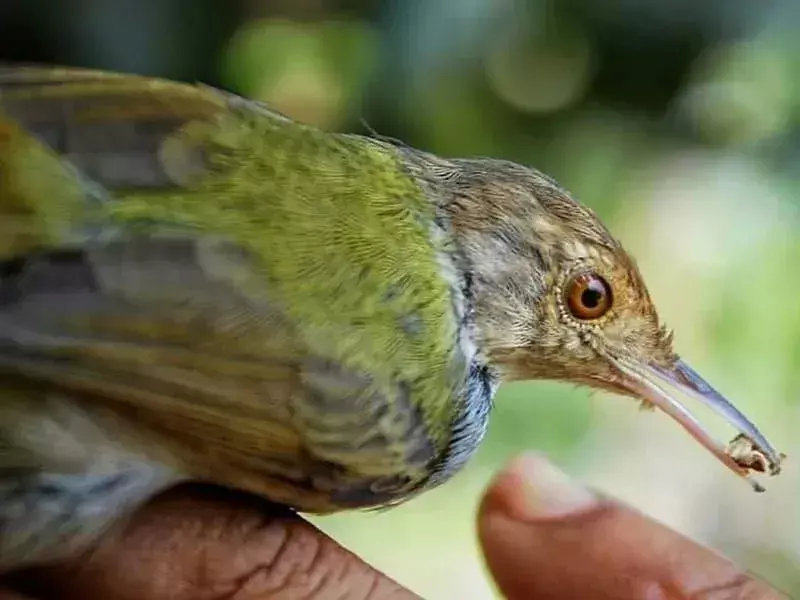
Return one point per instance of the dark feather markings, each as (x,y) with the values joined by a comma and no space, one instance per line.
(109,126)
(189,360)
(199,348)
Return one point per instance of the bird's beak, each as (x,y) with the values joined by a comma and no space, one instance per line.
(750,451)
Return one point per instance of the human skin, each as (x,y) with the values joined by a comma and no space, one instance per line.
(543,537)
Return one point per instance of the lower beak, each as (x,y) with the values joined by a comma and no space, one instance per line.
(757,454)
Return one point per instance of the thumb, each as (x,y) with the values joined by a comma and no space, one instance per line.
(545,536)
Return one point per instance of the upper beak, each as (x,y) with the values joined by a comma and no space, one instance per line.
(644,380)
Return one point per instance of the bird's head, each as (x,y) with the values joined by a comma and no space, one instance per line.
(557,297)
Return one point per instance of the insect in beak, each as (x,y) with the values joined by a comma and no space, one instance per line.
(749,451)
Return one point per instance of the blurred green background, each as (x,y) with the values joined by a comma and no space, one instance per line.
(677,121)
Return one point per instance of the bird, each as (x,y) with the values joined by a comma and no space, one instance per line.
(194,286)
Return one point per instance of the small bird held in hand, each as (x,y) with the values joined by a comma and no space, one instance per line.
(195,287)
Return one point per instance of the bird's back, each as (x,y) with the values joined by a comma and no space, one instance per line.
(272,303)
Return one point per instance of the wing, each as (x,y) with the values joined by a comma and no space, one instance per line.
(153,330)
(226,281)
(69,137)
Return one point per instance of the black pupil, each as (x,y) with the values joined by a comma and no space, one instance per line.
(591,297)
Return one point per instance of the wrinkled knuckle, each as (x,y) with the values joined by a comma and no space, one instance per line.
(739,587)
(380,588)
(289,566)
(300,563)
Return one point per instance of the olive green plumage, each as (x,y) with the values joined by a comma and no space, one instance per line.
(193,286)
(266,302)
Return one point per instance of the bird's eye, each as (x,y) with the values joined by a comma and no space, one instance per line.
(588,296)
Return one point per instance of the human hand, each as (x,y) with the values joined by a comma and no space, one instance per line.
(543,536)
(547,537)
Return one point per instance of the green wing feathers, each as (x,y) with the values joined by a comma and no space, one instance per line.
(247,280)
(68,135)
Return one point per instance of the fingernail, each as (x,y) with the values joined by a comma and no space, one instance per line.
(545,492)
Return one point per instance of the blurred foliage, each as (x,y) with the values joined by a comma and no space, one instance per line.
(677,121)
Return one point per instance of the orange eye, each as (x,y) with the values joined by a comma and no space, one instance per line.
(588,296)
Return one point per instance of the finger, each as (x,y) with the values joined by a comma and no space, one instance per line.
(546,537)
(198,542)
